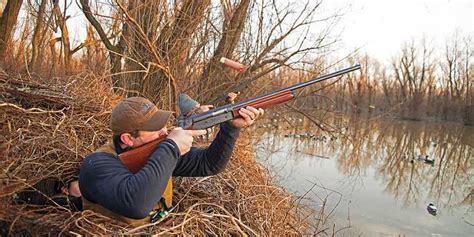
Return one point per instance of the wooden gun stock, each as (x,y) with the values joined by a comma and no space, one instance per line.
(136,158)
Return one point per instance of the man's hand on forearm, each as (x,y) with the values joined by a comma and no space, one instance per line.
(249,115)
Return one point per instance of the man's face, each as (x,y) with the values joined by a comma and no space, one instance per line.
(148,136)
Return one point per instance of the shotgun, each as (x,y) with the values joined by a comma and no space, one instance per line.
(136,158)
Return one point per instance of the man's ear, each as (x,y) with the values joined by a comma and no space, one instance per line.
(127,139)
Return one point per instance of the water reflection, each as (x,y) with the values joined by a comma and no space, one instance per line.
(414,162)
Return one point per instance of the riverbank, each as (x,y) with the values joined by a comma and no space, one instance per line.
(49,126)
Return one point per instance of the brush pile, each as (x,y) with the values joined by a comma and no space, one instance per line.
(47,128)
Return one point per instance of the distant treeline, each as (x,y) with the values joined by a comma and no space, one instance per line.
(420,83)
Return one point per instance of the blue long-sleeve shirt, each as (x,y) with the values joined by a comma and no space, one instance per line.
(105,180)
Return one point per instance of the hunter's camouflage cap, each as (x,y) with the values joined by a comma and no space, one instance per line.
(137,114)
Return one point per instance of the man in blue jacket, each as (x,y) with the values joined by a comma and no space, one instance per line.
(106,184)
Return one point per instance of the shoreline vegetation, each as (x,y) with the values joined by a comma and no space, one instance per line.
(46,135)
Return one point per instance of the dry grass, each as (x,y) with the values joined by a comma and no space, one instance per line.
(46,132)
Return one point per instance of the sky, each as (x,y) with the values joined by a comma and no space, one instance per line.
(380,27)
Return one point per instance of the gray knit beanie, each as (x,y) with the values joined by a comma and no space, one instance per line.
(186,103)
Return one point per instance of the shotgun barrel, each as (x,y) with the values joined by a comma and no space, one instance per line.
(230,111)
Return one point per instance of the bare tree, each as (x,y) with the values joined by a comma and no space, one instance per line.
(457,76)
(21,53)
(94,56)
(116,50)
(456,67)
(7,23)
(38,35)
(60,22)
(413,71)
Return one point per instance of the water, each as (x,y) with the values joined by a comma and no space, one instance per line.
(380,178)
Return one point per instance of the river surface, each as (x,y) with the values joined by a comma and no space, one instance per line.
(379,177)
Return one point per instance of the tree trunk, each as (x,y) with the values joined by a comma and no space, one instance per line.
(7,23)
(66,45)
(36,41)
(54,58)
(22,55)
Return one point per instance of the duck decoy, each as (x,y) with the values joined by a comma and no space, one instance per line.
(428,161)
(432,209)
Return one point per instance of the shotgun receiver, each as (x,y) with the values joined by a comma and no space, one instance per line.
(137,158)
